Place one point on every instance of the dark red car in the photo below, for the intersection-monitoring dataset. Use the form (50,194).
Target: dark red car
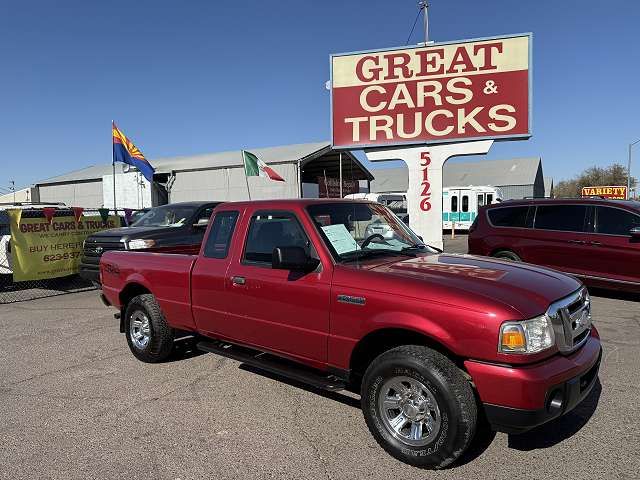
(311,290)
(597,240)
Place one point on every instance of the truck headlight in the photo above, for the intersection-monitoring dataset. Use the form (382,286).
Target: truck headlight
(526,336)
(140,244)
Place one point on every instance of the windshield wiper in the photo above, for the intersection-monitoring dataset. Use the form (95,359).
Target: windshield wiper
(421,247)
(358,254)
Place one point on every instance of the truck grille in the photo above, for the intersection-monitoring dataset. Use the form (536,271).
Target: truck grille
(571,319)
(95,248)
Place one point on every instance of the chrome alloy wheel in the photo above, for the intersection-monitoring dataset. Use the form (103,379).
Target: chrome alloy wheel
(139,329)
(409,411)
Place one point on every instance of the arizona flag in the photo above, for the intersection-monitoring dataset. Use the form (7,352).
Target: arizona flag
(126,152)
(254,167)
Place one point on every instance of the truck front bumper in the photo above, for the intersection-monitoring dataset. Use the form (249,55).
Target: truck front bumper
(519,398)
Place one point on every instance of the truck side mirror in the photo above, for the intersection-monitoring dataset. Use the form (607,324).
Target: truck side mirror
(292,258)
(202,223)
(635,233)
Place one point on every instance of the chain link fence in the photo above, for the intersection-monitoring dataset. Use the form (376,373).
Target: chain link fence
(11,291)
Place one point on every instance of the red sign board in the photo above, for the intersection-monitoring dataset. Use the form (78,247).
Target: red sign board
(329,187)
(467,90)
(615,192)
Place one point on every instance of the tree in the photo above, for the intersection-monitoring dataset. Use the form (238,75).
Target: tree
(615,174)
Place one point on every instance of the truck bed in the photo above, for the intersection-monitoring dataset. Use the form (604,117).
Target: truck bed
(166,275)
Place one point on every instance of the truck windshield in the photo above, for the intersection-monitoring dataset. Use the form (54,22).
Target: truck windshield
(165,216)
(354,230)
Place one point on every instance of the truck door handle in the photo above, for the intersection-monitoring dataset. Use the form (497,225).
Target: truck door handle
(595,244)
(238,280)
(579,242)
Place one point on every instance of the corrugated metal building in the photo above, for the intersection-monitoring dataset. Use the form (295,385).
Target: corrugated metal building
(214,176)
(518,177)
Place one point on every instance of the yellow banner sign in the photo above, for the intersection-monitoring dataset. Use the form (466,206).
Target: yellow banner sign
(614,192)
(41,249)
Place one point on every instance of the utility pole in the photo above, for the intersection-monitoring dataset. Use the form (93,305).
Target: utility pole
(424,6)
(629,170)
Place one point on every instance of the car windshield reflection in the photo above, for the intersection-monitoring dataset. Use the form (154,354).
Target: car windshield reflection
(354,230)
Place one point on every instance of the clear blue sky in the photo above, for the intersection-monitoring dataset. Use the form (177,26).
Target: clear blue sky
(202,76)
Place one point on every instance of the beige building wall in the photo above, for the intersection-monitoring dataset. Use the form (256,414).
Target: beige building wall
(85,194)
(229,184)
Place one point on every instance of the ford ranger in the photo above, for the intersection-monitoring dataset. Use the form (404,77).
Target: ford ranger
(309,290)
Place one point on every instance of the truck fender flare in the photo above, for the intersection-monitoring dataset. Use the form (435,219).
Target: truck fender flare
(414,323)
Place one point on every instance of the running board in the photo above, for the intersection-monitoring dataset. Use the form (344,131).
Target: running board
(273,364)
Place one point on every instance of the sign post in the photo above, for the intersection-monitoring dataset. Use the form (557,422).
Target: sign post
(425,104)
(424,196)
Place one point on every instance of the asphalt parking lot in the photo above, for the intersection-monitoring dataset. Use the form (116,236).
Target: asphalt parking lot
(74,403)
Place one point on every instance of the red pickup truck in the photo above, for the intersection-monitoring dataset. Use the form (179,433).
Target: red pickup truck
(343,295)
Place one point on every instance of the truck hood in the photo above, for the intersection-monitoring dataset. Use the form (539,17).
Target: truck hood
(115,234)
(527,288)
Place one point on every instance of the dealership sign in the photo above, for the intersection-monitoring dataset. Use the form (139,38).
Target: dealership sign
(447,92)
(615,192)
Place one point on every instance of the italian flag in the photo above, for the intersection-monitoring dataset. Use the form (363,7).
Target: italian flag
(254,167)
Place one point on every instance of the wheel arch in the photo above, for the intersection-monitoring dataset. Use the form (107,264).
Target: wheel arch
(503,249)
(383,339)
(131,290)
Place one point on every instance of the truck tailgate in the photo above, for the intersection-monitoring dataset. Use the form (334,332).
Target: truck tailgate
(166,276)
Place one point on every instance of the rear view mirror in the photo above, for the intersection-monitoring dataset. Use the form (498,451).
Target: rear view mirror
(292,258)
(635,232)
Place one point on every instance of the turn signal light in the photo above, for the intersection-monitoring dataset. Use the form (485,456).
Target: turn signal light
(513,339)
(526,336)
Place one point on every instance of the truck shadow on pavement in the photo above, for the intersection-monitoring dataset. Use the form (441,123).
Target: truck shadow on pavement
(558,430)
(541,437)
(483,438)
(335,396)
(183,349)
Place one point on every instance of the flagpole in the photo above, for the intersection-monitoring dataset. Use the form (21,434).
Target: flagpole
(113,165)
(246,177)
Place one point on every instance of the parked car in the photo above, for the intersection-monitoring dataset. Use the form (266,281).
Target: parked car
(430,341)
(177,227)
(597,240)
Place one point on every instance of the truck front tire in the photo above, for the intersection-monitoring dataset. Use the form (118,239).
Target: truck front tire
(149,336)
(419,406)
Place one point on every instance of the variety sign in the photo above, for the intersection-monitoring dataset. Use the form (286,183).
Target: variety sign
(474,89)
(619,192)
(43,248)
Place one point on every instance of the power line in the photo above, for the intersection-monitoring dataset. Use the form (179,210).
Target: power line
(414,26)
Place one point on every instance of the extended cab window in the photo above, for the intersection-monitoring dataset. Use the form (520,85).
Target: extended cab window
(270,230)
(615,221)
(568,218)
(219,240)
(508,216)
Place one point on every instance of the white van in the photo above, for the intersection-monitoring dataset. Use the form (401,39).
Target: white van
(460,204)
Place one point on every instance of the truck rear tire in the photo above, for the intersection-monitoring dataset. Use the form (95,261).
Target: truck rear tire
(419,406)
(149,336)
